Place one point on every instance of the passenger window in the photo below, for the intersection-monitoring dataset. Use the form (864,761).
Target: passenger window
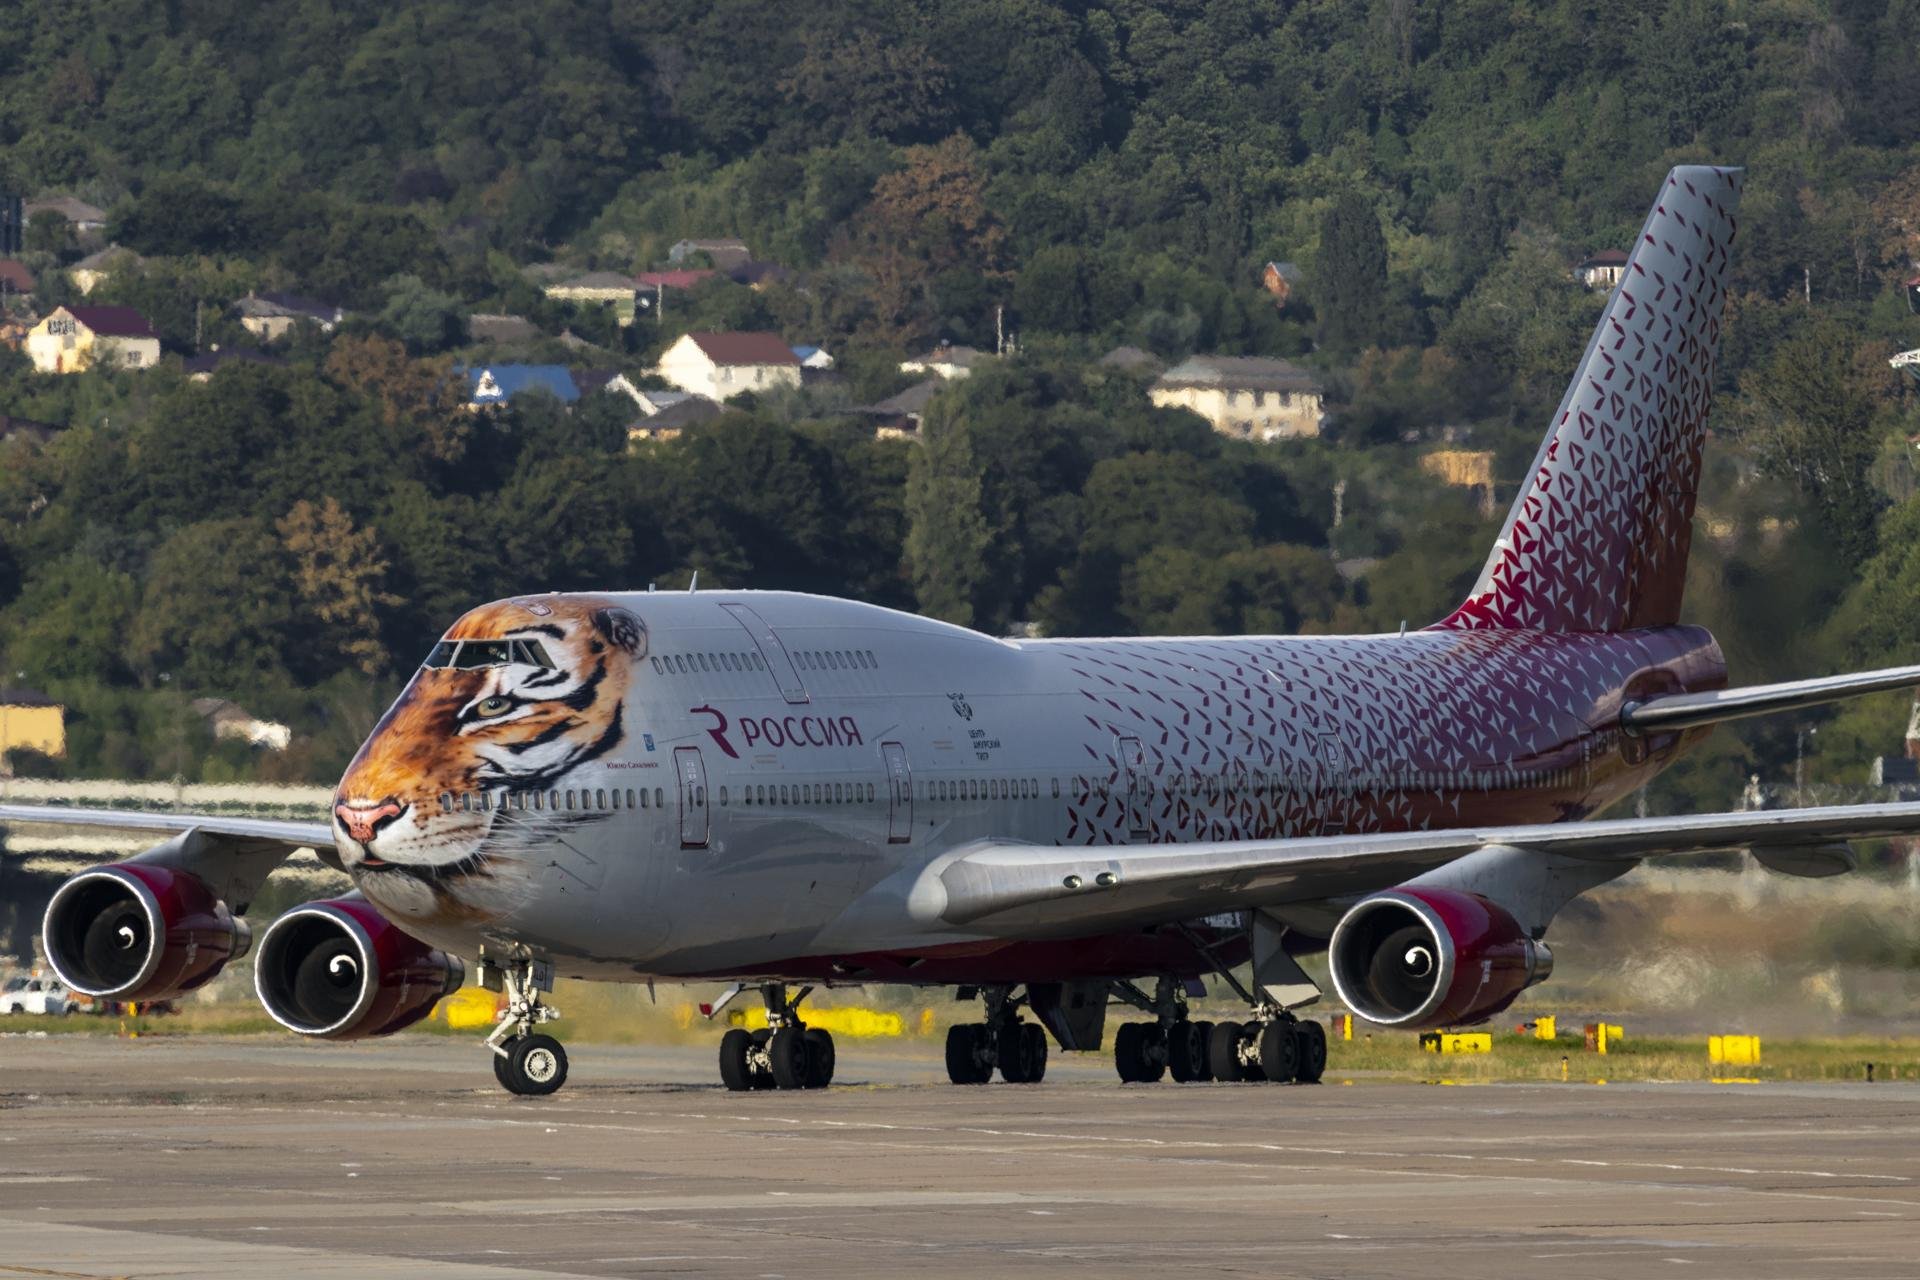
(466,802)
(759,663)
(656,665)
(723,796)
(783,795)
(871,660)
(838,796)
(616,798)
(643,798)
(1056,788)
(659,798)
(599,799)
(704,664)
(569,801)
(446,802)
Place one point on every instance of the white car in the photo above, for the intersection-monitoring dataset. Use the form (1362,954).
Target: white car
(35,995)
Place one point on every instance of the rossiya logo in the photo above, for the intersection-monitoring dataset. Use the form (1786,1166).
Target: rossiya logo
(780,731)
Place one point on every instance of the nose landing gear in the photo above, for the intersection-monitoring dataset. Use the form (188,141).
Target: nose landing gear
(524,1063)
(785,1054)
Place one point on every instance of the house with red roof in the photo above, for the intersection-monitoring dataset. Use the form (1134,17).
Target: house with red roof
(72,339)
(722,365)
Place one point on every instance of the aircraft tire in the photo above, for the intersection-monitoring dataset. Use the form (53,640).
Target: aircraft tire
(1223,1051)
(1186,1052)
(500,1061)
(1280,1052)
(734,1071)
(1313,1052)
(964,1066)
(1206,1052)
(787,1051)
(1036,1038)
(535,1066)
(820,1058)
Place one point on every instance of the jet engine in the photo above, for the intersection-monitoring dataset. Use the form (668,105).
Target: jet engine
(339,970)
(140,931)
(1426,958)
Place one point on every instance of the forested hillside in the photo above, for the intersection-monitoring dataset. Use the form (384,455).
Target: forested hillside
(1084,175)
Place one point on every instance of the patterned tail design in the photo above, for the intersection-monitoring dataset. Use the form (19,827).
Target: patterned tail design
(1598,540)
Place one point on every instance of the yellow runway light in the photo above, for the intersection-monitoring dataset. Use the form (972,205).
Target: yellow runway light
(1733,1051)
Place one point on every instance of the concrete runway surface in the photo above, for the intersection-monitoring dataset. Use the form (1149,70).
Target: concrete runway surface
(179,1157)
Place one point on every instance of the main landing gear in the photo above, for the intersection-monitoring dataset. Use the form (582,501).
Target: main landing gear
(785,1054)
(525,1063)
(1274,1046)
(1002,1041)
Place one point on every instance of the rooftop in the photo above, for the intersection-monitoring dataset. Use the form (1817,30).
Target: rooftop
(744,348)
(494,383)
(961,357)
(1240,373)
(113,322)
(212,360)
(672,279)
(66,206)
(909,403)
(607,280)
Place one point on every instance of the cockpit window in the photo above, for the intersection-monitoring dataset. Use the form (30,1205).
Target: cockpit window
(442,655)
(532,653)
(482,653)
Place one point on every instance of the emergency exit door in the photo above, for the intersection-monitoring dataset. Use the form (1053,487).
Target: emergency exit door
(692,771)
(1133,779)
(899,793)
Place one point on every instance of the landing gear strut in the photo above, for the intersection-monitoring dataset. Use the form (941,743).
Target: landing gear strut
(525,1063)
(1018,1049)
(786,1054)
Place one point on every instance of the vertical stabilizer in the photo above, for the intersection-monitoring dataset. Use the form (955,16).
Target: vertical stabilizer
(1597,539)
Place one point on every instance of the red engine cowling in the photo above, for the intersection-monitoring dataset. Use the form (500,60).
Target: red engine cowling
(140,931)
(1425,958)
(339,970)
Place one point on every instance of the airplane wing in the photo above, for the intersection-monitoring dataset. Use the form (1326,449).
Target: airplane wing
(1008,889)
(234,855)
(1672,712)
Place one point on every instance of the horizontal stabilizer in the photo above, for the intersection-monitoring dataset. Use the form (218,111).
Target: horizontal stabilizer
(1674,712)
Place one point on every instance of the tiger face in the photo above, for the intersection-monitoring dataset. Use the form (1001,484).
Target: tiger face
(518,696)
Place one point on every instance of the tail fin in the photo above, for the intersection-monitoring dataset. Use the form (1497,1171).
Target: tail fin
(1597,539)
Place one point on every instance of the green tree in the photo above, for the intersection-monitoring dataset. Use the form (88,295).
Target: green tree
(1350,275)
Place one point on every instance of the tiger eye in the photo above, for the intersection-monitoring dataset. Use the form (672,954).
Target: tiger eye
(493,706)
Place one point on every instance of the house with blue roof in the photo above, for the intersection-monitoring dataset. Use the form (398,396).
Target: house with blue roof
(498,383)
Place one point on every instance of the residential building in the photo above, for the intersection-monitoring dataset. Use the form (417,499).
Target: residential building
(674,419)
(1470,469)
(1602,270)
(496,384)
(501,330)
(83,216)
(271,316)
(652,400)
(722,365)
(724,254)
(31,721)
(201,368)
(812,357)
(594,286)
(96,269)
(15,278)
(898,417)
(946,361)
(232,722)
(1280,279)
(75,338)
(1252,397)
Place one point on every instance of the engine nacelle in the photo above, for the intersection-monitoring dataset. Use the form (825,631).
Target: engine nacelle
(1424,958)
(339,970)
(140,931)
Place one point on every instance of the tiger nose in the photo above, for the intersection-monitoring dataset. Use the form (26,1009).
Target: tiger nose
(363,821)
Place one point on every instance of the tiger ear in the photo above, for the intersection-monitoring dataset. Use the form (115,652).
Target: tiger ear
(622,630)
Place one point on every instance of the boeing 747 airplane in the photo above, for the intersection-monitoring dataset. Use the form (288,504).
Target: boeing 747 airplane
(780,791)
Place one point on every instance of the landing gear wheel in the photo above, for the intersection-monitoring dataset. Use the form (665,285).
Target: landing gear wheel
(1206,1051)
(1036,1038)
(500,1062)
(787,1053)
(819,1059)
(535,1066)
(1139,1053)
(760,1078)
(1186,1053)
(1279,1052)
(735,1072)
(966,1063)
(1223,1052)
(1313,1051)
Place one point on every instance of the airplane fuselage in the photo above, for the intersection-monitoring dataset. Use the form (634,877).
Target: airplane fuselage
(776,759)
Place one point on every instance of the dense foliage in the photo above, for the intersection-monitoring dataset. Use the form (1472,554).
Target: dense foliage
(1081,174)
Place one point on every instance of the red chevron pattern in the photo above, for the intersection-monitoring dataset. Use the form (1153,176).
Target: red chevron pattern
(1598,540)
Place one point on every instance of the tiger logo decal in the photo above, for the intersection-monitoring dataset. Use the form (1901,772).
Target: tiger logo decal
(444,806)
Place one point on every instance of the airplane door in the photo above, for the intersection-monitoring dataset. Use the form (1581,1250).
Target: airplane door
(899,793)
(1133,761)
(692,771)
(1333,774)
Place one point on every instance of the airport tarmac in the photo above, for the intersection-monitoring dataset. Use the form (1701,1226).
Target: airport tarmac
(192,1157)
